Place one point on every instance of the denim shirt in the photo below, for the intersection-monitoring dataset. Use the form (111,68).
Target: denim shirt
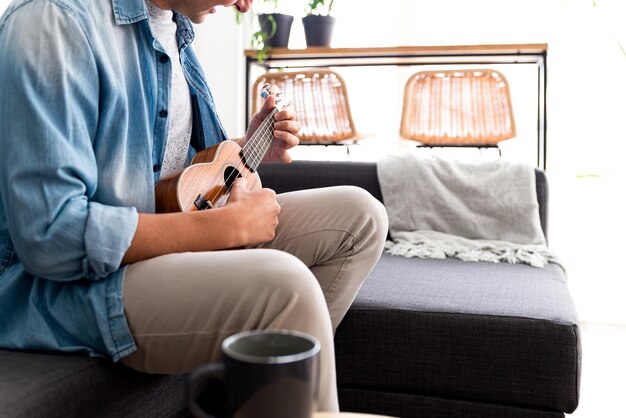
(83,125)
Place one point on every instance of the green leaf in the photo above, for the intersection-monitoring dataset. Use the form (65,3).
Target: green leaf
(319,7)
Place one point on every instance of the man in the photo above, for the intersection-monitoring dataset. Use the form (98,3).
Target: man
(101,99)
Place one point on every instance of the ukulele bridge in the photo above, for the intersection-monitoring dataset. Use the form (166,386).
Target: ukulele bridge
(201,203)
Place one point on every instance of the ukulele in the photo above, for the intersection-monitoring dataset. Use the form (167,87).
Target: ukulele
(206,183)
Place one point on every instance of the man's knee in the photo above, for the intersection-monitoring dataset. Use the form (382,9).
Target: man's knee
(297,292)
(367,208)
(285,272)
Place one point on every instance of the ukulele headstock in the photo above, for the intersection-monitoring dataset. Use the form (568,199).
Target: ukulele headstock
(281,103)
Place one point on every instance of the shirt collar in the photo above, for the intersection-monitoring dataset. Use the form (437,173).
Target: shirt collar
(131,11)
(185,29)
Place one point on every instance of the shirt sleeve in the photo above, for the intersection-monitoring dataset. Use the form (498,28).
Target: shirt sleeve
(48,171)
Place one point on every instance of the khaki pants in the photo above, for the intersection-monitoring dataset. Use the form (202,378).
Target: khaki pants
(181,306)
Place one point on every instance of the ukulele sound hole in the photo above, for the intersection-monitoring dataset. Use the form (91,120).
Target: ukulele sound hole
(230,175)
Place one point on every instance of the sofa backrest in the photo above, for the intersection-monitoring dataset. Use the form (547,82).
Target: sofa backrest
(311,174)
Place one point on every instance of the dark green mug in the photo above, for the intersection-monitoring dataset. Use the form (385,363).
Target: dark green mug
(265,373)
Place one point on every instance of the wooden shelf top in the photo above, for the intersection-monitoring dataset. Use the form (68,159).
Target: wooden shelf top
(398,51)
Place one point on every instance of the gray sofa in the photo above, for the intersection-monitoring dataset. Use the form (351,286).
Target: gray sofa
(424,338)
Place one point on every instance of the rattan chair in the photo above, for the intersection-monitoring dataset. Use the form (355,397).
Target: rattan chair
(320,99)
(470,108)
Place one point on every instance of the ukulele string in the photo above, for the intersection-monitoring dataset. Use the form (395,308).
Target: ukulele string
(263,129)
(258,153)
(265,145)
(267,129)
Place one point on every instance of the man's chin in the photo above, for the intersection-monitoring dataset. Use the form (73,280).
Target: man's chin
(199,18)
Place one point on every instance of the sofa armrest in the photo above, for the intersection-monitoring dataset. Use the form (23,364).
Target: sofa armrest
(311,174)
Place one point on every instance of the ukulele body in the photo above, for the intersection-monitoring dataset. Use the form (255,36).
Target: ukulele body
(206,182)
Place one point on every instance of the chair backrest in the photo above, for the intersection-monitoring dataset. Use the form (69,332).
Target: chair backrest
(457,107)
(320,99)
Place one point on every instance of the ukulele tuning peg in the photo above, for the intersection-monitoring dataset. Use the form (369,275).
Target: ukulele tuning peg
(265,90)
(278,93)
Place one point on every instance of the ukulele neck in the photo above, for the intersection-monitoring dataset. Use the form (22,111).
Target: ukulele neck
(257,146)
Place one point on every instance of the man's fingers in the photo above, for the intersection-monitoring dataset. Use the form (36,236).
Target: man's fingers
(287,140)
(268,105)
(285,114)
(240,182)
(290,126)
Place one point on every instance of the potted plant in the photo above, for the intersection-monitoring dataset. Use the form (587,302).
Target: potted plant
(277,26)
(273,28)
(318,23)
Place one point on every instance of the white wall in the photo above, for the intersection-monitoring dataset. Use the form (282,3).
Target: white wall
(219,45)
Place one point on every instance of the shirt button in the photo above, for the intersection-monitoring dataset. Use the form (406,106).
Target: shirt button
(156,168)
(163,113)
(163,59)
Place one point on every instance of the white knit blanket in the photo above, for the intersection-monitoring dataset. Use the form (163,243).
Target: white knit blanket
(474,211)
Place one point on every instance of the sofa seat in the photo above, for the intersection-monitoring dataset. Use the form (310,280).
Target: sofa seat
(434,337)
(38,385)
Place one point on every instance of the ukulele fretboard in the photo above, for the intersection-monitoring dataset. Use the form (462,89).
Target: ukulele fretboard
(255,149)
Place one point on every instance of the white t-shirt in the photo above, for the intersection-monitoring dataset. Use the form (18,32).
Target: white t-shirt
(179,110)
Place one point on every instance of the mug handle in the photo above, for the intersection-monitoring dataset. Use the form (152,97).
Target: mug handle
(196,379)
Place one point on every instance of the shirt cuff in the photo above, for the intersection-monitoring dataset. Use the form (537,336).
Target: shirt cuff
(108,235)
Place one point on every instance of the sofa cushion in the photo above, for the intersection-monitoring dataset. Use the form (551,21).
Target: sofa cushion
(51,385)
(497,333)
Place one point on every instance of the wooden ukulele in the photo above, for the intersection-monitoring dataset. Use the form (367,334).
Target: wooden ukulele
(206,183)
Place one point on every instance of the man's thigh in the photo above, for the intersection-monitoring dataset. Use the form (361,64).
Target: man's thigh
(181,306)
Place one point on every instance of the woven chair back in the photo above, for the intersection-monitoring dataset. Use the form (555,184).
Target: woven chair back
(457,108)
(320,100)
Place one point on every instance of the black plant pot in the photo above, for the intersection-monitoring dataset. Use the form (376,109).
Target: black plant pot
(280,39)
(318,30)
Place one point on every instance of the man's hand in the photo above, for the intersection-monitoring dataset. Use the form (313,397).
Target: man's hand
(248,218)
(286,129)
(256,212)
